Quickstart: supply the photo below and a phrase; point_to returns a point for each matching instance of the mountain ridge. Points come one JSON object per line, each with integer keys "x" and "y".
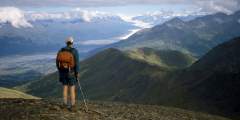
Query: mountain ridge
{"x": 196, "y": 36}
{"x": 214, "y": 78}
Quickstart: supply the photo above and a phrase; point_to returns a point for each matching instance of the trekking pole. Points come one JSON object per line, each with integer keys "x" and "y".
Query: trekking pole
{"x": 83, "y": 95}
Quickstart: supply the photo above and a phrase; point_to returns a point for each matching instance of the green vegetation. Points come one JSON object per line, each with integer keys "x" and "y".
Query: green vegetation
{"x": 119, "y": 76}
{"x": 9, "y": 93}
{"x": 163, "y": 58}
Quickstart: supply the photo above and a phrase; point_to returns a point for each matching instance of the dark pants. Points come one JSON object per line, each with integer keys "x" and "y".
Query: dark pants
{"x": 67, "y": 77}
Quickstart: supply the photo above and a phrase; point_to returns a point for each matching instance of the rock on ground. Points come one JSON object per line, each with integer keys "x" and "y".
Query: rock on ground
{"x": 22, "y": 109}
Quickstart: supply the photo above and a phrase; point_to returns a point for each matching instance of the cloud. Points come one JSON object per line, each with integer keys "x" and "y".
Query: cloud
{"x": 137, "y": 23}
{"x": 76, "y": 13}
{"x": 206, "y": 5}
{"x": 228, "y": 6}
{"x": 98, "y": 42}
{"x": 86, "y": 2}
{"x": 14, "y": 16}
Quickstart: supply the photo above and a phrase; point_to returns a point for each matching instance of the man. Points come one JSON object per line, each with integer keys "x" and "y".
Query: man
{"x": 67, "y": 63}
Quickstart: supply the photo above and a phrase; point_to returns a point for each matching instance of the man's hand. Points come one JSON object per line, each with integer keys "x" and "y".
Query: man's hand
{"x": 78, "y": 75}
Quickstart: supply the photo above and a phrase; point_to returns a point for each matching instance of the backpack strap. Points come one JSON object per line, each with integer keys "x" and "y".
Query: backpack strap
{"x": 65, "y": 49}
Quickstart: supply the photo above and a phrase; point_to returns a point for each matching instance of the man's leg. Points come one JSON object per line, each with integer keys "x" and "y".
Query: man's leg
{"x": 73, "y": 95}
{"x": 65, "y": 94}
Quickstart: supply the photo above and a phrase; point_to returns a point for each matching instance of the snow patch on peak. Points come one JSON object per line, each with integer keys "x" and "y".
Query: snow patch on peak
{"x": 14, "y": 16}
{"x": 138, "y": 23}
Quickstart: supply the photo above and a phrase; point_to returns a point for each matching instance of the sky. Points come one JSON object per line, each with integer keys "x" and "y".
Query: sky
{"x": 129, "y": 7}
{"x": 19, "y": 12}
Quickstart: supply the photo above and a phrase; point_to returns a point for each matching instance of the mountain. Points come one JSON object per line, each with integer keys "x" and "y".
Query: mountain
{"x": 51, "y": 109}
{"x": 211, "y": 84}
{"x": 159, "y": 18}
{"x": 126, "y": 77}
{"x": 9, "y": 93}
{"x": 214, "y": 79}
{"x": 196, "y": 36}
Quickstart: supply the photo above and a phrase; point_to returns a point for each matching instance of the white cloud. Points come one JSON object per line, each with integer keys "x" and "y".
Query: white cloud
{"x": 137, "y": 23}
{"x": 14, "y": 16}
{"x": 228, "y": 6}
{"x": 98, "y": 42}
{"x": 208, "y": 5}
{"x": 76, "y": 13}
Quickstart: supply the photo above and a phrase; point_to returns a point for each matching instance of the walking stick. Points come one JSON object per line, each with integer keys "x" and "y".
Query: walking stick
{"x": 82, "y": 94}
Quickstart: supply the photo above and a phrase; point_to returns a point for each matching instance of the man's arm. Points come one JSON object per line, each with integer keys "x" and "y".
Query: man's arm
{"x": 77, "y": 67}
{"x": 57, "y": 64}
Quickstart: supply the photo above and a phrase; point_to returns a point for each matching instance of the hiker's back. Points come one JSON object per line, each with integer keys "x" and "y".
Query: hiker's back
{"x": 66, "y": 58}
{"x": 67, "y": 62}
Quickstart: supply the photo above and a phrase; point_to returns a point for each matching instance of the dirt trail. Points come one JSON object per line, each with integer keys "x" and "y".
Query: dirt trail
{"x": 20, "y": 109}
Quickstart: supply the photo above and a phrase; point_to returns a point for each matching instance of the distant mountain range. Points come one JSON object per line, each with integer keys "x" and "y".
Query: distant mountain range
{"x": 49, "y": 32}
{"x": 158, "y": 18}
{"x": 195, "y": 36}
{"x": 42, "y": 31}
{"x": 211, "y": 84}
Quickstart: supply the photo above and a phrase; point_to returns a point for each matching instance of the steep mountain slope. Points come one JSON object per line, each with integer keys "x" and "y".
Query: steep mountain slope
{"x": 8, "y": 93}
{"x": 196, "y": 36}
{"x": 51, "y": 110}
{"x": 214, "y": 80}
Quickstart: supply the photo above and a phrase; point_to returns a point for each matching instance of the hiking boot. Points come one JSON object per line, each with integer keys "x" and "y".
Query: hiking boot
{"x": 73, "y": 108}
{"x": 64, "y": 107}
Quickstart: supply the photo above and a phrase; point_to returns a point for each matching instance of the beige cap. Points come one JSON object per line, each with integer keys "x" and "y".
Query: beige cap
{"x": 69, "y": 39}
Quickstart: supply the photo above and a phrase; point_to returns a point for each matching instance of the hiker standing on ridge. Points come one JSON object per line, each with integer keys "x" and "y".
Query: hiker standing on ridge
{"x": 67, "y": 63}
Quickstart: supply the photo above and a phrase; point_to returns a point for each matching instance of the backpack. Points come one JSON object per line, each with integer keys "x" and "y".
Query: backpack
{"x": 65, "y": 59}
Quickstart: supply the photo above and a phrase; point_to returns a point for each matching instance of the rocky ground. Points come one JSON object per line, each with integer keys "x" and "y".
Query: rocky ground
{"x": 21, "y": 109}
